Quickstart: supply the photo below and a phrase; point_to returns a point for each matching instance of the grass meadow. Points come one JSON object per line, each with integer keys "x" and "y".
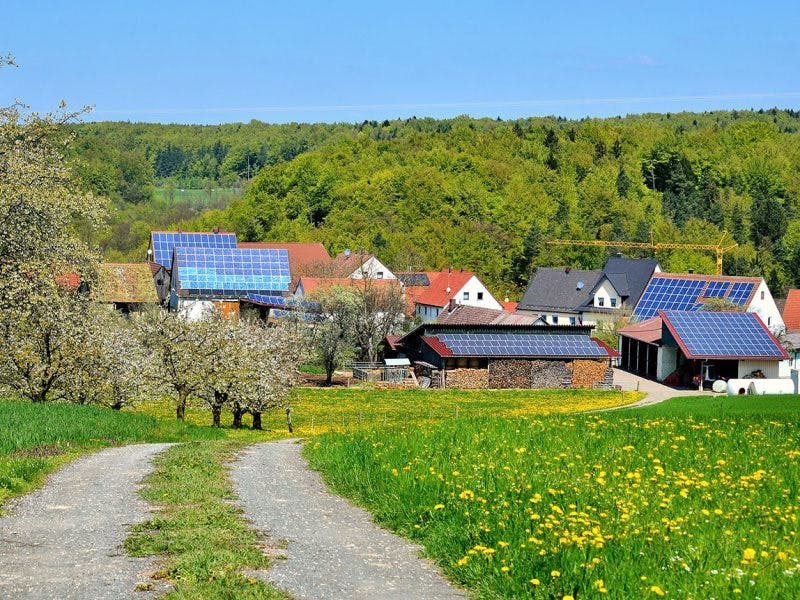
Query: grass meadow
{"x": 693, "y": 498}
{"x": 35, "y": 439}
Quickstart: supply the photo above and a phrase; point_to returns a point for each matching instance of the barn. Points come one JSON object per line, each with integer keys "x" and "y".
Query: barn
{"x": 505, "y": 356}
{"x": 678, "y": 347}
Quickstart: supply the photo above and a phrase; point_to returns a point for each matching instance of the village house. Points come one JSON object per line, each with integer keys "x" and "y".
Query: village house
{"x": 692, "y": 292}
{"x": 566, "y": 296}
{"x": 432, "y": 292}
{"x": 306, "y": 259}
{"x": 357, "y": 265}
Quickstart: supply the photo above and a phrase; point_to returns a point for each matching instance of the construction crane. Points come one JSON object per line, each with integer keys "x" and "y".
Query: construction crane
{"x": 718, "y": 248}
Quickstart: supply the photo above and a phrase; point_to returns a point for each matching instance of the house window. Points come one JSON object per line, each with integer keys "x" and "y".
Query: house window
{"x": 379, "y": 275}
{"x": 554, "y": 319}
{"x": 466, "y": 295}
{"x": 613, "y": 303}
{"x": 769, "y": 319}
{"x": 601, "y": 301}
{"x": 573, "y": 321}
{"x": 480, "y": 295}
{"x": 762, "y": 294}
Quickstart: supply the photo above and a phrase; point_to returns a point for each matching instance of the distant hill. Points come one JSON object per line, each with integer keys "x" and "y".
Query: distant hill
{"x": 480, "y": 194}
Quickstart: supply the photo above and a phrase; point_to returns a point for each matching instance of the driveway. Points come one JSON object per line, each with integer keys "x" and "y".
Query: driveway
{"x": 656, "y": 392}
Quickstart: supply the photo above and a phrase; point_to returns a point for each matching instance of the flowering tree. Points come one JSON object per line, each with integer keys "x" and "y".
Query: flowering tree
{"x": 180, "y": 350}
{"x": 43, "y": 261}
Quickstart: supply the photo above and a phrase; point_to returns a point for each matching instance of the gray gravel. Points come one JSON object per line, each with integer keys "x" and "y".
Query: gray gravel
{"x": 334, "y": 550}
{"x": 65, "y": 539}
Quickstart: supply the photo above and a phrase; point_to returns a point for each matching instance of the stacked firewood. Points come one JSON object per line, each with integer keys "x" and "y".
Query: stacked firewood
{"x": 509, "y": 374}
{"x": 587, "y": 373}
{"x": 467, "y": 379}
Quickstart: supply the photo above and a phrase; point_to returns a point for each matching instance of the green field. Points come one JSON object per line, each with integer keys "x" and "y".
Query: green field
{"x": 217, "y": 195}
{"x": 693, "y": 498}
{"x": 37, "y": 438}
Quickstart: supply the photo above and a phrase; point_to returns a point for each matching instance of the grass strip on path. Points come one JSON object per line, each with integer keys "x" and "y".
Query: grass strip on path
{"x": 204, "y": 540}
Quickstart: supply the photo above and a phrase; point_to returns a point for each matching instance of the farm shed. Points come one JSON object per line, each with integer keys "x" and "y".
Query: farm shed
{"x": 127, "y": 286}
{"x": 679, "y": 347}
{"x": 163, "y": 243}
{"x": 305, "y": 259}
{"x": 506, "y": 356}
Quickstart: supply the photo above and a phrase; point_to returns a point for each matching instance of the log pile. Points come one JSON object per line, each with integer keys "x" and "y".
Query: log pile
{"x": 467, "y": 379}
{"x": 549, "y": 374}
{"x": 509, "y": 374}
{"x": 587, "y": 373}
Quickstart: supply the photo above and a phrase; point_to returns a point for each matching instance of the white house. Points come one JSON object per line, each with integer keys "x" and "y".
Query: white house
{"x": 358, "y": 265}
{"x": 446, "y": 287}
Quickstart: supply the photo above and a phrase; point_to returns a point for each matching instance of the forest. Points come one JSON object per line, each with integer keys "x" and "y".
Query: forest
{"x": 477, "y": 194}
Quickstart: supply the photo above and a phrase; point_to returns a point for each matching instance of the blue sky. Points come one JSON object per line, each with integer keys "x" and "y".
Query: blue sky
{"x": 212, "y": 62}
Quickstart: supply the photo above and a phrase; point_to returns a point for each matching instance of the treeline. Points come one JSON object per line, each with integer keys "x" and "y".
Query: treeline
{"x": 486, "y": 194}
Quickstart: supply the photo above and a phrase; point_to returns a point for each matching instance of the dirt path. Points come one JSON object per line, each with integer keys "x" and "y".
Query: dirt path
{"x": 334, "y": 550}
{"x": 65, "y": 540}
{"x": 656, "y": 392}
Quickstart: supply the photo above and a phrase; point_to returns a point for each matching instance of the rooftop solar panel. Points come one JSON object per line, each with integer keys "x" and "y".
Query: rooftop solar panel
{"x": 164, "y": 242}
{"x": 231, "y": 271}
{"x": 722, "y": 335}
{"x": 553, "y": 344}
{"x": 674, "y": 293}
{"x": 267, "y": 299}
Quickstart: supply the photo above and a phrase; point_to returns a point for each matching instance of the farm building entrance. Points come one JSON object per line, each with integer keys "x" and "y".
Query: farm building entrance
{"x": 639, "y": 357}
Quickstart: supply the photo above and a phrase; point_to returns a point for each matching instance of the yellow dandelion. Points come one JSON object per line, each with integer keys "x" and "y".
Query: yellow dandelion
{"x": 535, "y": 581}
{"x": 554, "y": 574}
{"x": 657, "y": 590}
{"x": 439, "y": 507}
{"x": 748, "y": 554}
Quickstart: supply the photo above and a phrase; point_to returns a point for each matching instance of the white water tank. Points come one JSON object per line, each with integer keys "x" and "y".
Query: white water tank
{"x": 738, "y": 387}
{"x": 759, "y": 387}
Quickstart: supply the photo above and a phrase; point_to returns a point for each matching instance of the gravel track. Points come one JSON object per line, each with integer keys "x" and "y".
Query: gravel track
{"x": 334, "y": 550}
{"x": 65, "y": 539}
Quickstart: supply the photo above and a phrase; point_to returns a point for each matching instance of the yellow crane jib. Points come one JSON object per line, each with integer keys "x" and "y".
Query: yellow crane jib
{"x": 718, "y": 248}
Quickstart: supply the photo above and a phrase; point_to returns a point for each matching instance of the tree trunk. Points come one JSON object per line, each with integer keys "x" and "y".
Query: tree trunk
{"x": 238, "y": 412}
{"x": 180, "y": 411}
{"x": 256, "y": 419}
{"x": 289, "y": 419}
{"x": 216, "y": 412}
{"x": 328, "y": 375}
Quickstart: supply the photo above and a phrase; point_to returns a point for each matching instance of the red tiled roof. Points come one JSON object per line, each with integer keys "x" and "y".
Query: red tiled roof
{"x": 508, "y": 306}
{"x": 791, "y": 311}
{"x": 392, "y": 341}
{"x": 437, "y": 345}
{"x": 444, "y": 286}
{"x": 311, "y": 284}
{"x": 305, "y": 258}
{"x": 647, "y": 331}
{"x": 344, "y": 264}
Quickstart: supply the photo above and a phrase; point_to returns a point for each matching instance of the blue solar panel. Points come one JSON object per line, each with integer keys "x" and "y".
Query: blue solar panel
{"x": 231, "y": 271}
{"x": 267, "y": 299}
{"x": 740, "y": 292}
{"x": 675, "y": 293}
{"x": 723, "y": 334}
{"x": 164, "y": 242}
{"x": 546, "y": 344}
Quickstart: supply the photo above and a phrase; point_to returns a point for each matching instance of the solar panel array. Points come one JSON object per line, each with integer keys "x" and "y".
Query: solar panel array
{"x": 165, "y": 241}
{"x": 516, "y": 344}
{"x": 673, "y": 293}
{"x": 232, "y": 271}
{"x": 723, "y": 334}
{"x": 267, "y": 299}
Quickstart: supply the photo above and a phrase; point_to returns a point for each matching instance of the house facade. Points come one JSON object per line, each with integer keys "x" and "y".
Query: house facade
{"x": 447, "y": 288}
{"x": 592, "y": 297}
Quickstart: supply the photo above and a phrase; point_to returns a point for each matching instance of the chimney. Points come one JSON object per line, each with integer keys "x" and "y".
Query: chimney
{"x": 180, "y": 230}
{"x": 347, "y": 253}
{"x": 449, "y": 270}
{"x": 216, "y": 229}
{"x": 567, "y": 270}
{"x": 691, "y": 271}
{"x": 452, "y": 306}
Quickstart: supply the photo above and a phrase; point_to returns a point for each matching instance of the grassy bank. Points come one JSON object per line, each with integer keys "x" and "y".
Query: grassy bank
{"x": 697, "y": 497}
{"x": 37, "y": 438}
{"x": 203, "y": 539}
